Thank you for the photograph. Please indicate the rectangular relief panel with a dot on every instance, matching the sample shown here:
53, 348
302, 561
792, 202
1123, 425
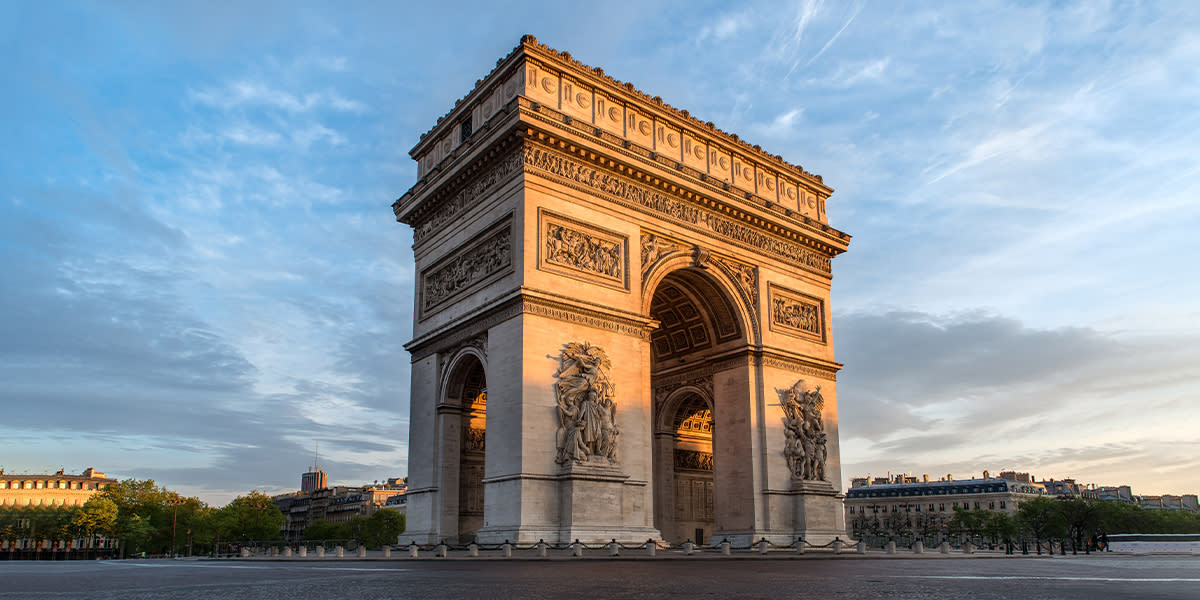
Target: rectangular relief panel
794, 313
467, 268
569, 247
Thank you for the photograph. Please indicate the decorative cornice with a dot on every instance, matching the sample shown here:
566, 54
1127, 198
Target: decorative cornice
675, 207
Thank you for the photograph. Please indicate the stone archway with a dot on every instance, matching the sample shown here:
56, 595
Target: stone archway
684, 493
699, 326
465, 409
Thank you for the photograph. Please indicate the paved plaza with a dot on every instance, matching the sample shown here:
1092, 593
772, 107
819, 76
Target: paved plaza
929, 578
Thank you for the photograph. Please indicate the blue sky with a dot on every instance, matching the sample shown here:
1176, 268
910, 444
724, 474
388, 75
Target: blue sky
200, 274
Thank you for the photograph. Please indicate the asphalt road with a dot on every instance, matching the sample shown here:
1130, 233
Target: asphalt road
1109, 576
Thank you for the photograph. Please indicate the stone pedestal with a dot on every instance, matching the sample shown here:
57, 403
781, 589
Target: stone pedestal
818, 516
592, 502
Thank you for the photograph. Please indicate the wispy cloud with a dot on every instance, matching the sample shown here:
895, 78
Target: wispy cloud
247, 93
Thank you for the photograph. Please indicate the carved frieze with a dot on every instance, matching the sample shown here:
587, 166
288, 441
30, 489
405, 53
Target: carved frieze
582, 251
804, 432
467, 267
465, 198
586, 406
474, 439
693, 460
626, 192
797, 314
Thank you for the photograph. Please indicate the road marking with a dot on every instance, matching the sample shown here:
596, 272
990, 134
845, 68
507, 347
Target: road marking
1058, 578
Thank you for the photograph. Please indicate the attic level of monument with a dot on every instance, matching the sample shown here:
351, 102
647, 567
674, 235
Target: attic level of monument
538, 92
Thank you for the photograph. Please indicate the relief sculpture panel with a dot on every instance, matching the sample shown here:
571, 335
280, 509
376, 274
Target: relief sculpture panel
797, 314
466, 268
581, 251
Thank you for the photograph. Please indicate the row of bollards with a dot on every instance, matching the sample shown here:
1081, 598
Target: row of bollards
541, 549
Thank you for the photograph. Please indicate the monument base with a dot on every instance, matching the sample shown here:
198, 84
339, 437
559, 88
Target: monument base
596, 502
818, 514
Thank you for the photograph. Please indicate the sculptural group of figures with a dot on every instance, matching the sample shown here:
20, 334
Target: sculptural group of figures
805, 432
575, 249
586, 411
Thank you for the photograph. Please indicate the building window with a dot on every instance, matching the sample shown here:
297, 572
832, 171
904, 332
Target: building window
941, 508
1001, 505
991, 506
976, 505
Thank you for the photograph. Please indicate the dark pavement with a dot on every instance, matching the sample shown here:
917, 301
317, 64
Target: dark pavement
1107, 576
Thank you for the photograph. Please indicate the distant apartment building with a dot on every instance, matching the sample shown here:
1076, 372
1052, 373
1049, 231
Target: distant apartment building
58, 490
337, 504
907, 505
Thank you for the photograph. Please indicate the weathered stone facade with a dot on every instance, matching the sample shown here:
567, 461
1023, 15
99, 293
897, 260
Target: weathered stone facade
636, 293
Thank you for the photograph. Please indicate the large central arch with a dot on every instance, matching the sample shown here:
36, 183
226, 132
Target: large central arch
696, 467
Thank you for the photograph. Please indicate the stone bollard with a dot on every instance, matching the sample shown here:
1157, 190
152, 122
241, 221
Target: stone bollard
440, 551
891, 547
726, 548
541, 548
799, 545
576, 548
507, 549
245, 553
320, 551
862, 547
968, 548
688, 548
945, 548
387, 551
339, 552
302, 551
412, 550
613, 548
287, 551
837, 545
762, 546
362, 551
651, 547
918, 547
473, 549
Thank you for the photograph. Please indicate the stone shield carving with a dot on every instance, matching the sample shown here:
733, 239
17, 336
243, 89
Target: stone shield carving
586, 410
804, 431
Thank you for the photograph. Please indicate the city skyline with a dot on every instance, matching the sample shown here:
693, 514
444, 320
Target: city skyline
203, 275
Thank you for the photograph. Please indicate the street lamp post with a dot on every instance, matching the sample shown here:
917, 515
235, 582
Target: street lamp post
175, 502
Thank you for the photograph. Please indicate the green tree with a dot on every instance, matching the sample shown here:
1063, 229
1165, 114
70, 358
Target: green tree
321, 530
1082, 519
1001, 528
97, 516
251, 517
1041, 519
386, 525
969, 523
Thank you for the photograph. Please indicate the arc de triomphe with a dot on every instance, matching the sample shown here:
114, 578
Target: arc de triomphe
622, 324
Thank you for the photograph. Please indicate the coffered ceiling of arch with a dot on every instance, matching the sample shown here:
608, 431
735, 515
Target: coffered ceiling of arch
693, 317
